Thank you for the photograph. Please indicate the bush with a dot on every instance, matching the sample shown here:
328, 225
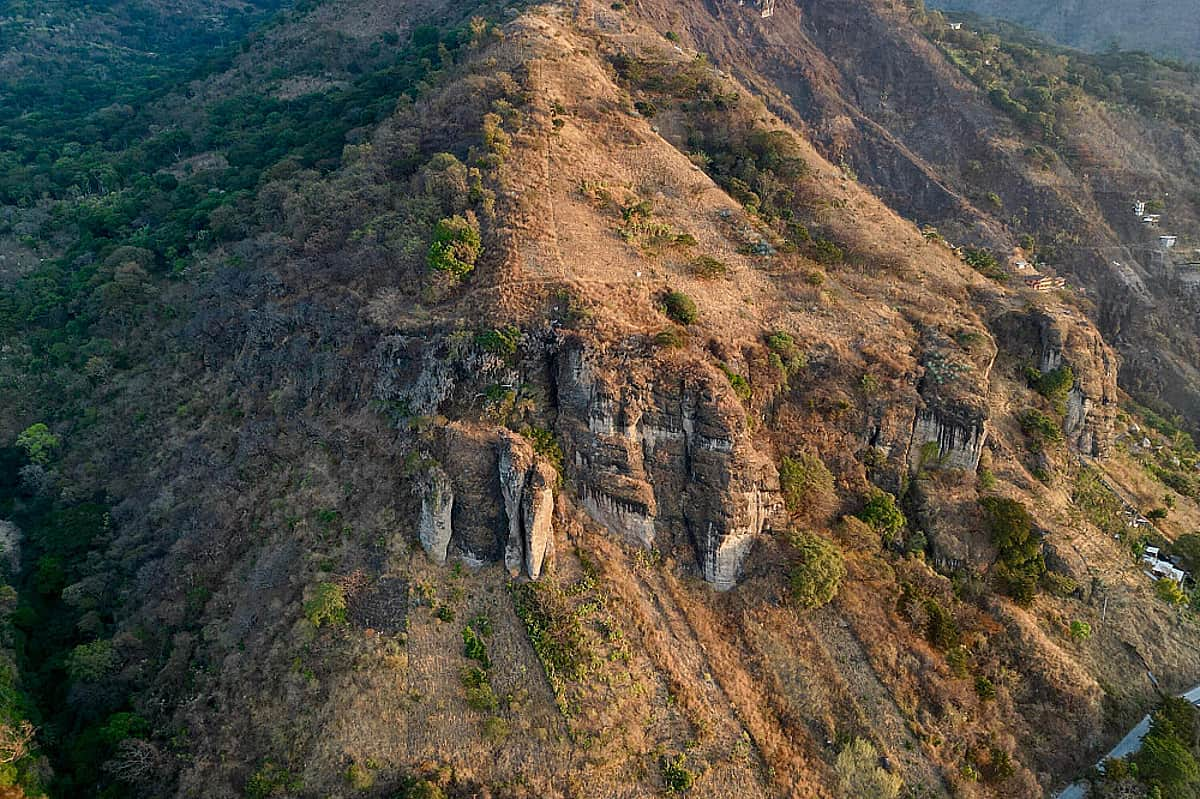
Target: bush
1080, 631
474, 647
271, 780
1169, 591
860, 775
708, 268
39, 443
1021, 564
807, 485
1055, 386
91, 662
741, 386
680, 308
785, 353
501, 341
1040, 427
670, 338
677, 777
883, 515
480, 695
816, 572
827, 252
328, 606
456, 245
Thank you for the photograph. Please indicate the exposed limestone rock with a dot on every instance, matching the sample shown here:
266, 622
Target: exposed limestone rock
959, 432
527, 485
437, 505
662, 457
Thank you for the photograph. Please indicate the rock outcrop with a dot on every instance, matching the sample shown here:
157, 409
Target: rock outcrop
959, 431
527, 485
1052, 341
662, 456
437, 506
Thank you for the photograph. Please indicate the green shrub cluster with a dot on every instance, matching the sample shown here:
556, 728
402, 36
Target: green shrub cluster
680, 308
807, 484
883, 515
816, 570
456, 245
327, 606
1020, 566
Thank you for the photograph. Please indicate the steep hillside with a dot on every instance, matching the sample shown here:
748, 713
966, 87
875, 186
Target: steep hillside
1163, 28
990, 143
457, 399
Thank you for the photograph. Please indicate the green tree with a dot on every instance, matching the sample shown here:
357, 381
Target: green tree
39, 443
91, 662
1020, 565
817, 570
1169, 591
882, 513
456, 245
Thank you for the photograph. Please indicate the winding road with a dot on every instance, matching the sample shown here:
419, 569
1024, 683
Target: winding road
1128, 745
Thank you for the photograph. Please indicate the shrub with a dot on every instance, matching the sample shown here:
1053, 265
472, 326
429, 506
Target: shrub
860, 775
328, 605
359, 777
983, 262
677, 777
271, 780
741, 386
680, 308
817, 570
807, 484
456, 245
670, 338
1169, 591
1054, 385
474, 647
784, 349
1040, 427
881, 512
480, 695
1080, 631
91, 662
1021, 564
501, 341
941, 629
39, 443
827, 252
708, 268
984, 688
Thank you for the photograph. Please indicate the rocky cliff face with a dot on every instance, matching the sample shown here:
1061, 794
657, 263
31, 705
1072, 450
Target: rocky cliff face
527, 485
959, 433
665, 458
1053, 340
437, 505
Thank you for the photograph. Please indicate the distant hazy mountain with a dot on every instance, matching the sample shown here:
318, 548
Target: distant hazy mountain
1166, 27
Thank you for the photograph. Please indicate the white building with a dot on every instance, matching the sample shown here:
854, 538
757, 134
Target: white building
1159, 567
1167, 242
1139, 208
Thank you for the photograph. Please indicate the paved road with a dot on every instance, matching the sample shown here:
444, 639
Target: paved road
1128, 745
